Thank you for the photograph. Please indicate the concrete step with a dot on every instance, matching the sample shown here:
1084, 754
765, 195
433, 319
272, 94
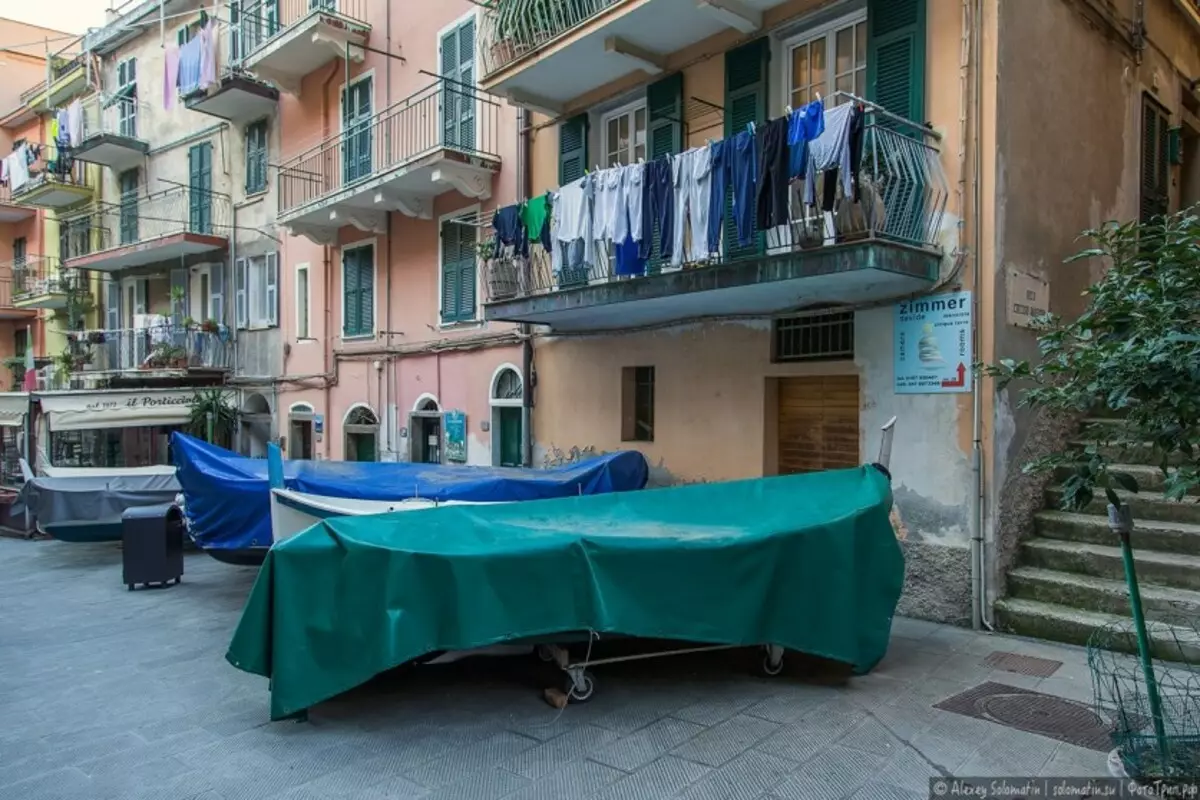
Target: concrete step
1171, 537
1145, 454
1146, 506
1063, 624
1101, 594
1101, 561
1149, 478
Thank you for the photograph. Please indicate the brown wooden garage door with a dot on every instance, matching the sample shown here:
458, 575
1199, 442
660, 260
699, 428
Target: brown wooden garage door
818, 423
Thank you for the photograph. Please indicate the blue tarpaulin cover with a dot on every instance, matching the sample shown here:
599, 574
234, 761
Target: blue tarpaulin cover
227, 496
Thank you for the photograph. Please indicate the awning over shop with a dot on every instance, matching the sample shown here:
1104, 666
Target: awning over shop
13, 408
74, 411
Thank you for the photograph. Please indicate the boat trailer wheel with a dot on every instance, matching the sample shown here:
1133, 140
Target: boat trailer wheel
772, 663
581, 685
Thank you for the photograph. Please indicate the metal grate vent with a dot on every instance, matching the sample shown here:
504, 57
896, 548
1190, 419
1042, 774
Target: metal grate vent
1022, 665
814, 337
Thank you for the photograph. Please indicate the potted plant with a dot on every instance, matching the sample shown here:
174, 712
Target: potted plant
96, 337
188, 323
81, 360
177, 357
210, 326
64, 362
16, 365
501, 272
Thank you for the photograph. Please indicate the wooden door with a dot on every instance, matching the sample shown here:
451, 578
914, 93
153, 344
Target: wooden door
818, 423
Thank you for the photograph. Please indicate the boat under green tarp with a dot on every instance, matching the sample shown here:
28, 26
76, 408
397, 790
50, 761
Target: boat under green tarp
809, 562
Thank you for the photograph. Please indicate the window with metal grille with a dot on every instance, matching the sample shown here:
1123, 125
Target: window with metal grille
1155, 189
814, 337
637, 404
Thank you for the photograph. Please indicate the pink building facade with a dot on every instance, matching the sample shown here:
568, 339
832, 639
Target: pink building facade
388, 174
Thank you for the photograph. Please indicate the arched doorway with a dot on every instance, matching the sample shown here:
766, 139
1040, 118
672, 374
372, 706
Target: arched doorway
300, 431
506, 399
425, 431
361, 430
255, 418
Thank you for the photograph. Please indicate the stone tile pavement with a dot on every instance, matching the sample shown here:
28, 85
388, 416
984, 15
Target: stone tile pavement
110, 694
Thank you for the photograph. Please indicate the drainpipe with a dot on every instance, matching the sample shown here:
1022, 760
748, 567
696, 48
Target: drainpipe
524, 192
389, 424
327, 362
979, 559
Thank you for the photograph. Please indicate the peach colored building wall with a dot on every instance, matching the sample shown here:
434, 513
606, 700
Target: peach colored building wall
407, 308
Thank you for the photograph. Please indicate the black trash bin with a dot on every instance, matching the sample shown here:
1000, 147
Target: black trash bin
152, 538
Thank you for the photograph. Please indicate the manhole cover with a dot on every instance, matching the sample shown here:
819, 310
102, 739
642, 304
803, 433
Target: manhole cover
1034, 712
1022, 665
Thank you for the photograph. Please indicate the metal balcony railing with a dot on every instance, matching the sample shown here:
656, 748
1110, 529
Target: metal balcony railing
36, 276
5, 195
903, 194
145, 218
512, 28
54, 166
60, 67
259, 23
159, 347
113, 115
444, 115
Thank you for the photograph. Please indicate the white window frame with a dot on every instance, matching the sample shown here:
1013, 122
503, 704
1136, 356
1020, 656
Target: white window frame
271, 294
469, 211
303, 303
828, 32
630, 110
373, 243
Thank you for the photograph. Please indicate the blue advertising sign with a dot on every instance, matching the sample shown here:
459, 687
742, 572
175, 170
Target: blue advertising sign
456, 436
933, 344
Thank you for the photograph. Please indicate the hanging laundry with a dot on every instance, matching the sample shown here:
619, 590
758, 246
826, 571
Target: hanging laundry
208, 55
54, 130
742, 168
693, 187
17, 164
629, 258
510, 231
575, 222
771, 196
719, 170
170, 75
190, 58
658, 198
535, 216
75, 122
831, 150
635, 181
805, 124
610, 213
556, 260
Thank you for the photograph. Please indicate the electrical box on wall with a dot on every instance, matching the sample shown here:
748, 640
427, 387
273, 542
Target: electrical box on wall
1028, 298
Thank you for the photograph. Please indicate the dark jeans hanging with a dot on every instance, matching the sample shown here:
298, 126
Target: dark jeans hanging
658, 208
771, 203
829, 190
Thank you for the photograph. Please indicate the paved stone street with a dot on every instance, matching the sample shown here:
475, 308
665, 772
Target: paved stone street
110, 694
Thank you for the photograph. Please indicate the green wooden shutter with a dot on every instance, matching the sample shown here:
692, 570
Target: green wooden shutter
746, 71
466, 275
664, 115
366, 291
896, 56
350, 305
572, 149
1154, 200
451, 247
458, 100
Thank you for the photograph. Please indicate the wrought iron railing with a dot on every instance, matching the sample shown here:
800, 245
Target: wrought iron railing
444, 115
115, 115
902, 197
259, 23
142, 219
157, 347
5, 195
36, 276
513, 28
60, 67
54, 165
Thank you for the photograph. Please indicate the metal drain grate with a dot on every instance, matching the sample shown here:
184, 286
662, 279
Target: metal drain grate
1022, 665
1034, 712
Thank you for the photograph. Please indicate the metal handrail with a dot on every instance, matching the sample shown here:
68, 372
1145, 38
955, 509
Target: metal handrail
903, 195
57, 71
166, 346
136, 220
35, 275
513, 28
443, 115
58, 166
106, 114
262, 21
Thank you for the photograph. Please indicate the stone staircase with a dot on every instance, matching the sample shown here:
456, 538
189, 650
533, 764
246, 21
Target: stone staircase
1070, 580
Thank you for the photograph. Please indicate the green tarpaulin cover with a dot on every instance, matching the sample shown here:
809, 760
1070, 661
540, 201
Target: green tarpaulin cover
809, 562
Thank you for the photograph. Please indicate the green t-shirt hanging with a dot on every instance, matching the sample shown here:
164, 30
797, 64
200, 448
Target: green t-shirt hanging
534, 214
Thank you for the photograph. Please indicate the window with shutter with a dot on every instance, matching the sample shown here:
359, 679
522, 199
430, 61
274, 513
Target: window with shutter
1155, 199
256, 157
358, 291
271, 312
664, 108
457, 49
200, 188
745, 102
241, 306
458, 272
896, 56
357, 130
129, 209
572, 149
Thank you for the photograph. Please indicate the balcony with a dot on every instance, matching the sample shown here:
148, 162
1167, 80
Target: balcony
165, 226
440, 139
157, 349
41, 282
56, 182
9, 310
283, 40
885, 245
10, 211
238, 95
542, 54
110, 132
67, 79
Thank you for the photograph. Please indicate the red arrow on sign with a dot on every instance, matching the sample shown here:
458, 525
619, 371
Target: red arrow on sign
960, 381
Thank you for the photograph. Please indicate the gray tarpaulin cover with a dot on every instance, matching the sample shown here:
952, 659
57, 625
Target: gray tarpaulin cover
57, 501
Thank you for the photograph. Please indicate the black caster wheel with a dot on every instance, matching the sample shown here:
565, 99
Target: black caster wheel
583, 692
769, 668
